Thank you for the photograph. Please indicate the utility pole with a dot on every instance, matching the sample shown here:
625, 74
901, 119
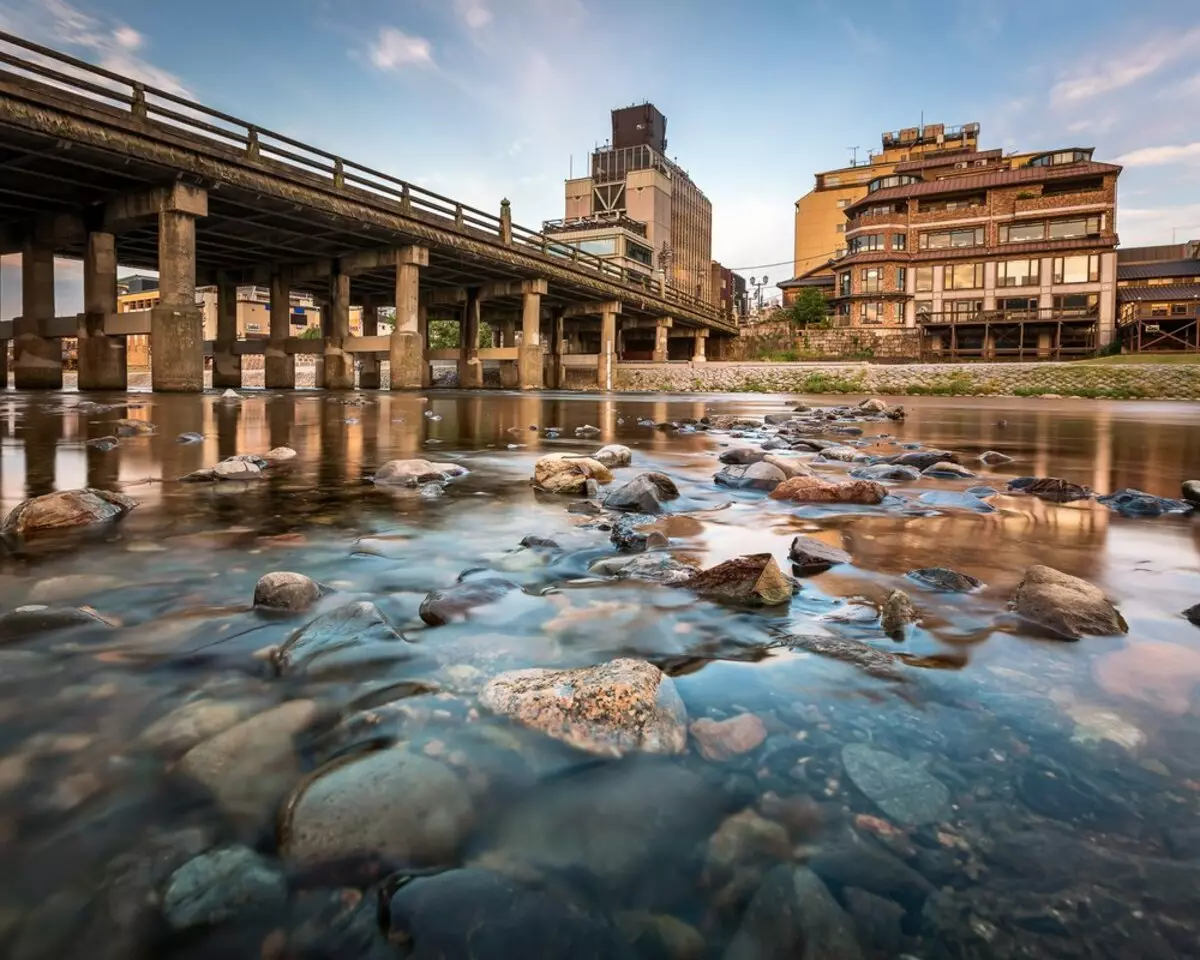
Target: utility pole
853, 156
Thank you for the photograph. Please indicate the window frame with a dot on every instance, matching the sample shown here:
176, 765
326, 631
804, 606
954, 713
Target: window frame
1031, 279
979, 237
917, 287
949, 275
1092, 268
870, 280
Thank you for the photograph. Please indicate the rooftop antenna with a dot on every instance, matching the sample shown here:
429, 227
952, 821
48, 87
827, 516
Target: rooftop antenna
921, 131
853, 156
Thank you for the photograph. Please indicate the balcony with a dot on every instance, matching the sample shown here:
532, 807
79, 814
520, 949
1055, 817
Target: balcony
1039, 315
1079, 198
603, 218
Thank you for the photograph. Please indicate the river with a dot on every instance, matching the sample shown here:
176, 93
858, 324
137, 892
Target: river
994, 792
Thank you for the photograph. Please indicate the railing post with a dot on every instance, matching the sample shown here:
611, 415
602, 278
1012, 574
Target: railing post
252, 145
506, 234
406, 198
459, 220
138, 102
339, 174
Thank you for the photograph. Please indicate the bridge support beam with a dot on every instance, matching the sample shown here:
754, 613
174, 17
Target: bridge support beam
37, 360
470, 367
557, 339
607, 361
102, 363
662, 331
227, 365
406, 351
369, 373
176, 323
279, 366
339, 365
699, 339
530, 370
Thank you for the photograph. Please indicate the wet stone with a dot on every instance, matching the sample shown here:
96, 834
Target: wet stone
645, 493
654, 567
222, 885
614, 455
65, 509
993, 457
346, 637
877, 920
945, 580
742, 456
35, 620
628, 539
897, 473
757, 476
1135, 503
283, 590
871, 661
1066, 605
903, 790
816, 490
923, 459
945, 470
415, 472
954, 500
793, 916
570, 475
724, 739
1054, 489
459, 602
810, 556
750, 581
104, 444
1191, 491
897, 614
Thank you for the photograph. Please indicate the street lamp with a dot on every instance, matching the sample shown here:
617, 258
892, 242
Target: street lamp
757, 295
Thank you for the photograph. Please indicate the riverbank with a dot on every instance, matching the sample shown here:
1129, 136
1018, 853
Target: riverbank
1130, 381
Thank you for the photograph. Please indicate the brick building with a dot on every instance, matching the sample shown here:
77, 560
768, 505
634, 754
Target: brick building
1158, 297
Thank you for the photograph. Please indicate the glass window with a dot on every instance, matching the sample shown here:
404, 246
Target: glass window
944, 239
1084, 268
1018, 306
635, 251
879, 210
843, 310
872, 280
1077, 303
924, 311
1156, 309
872, 312
1022, 232
962, 310
868, 241
1081, 227
832, 181
962, 276
1018, 273
600, 246
844, 284
843, 203
957, 203
899, 241
924, 279
901, 278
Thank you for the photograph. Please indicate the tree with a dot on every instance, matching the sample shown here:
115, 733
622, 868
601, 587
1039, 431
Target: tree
310, 333
811, 309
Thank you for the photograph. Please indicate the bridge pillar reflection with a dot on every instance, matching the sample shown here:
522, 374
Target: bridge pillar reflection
279, 366
339, 365
406, 350
37, 360
530, 371
176, 323
557, 344
227, 365
470, 367
101, 358
606, 361
369, 374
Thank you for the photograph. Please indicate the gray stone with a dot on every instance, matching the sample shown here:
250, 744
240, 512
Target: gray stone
614, 455
793, 916
842, 454
459, 602
904, 791
1066, 605
851, 861
810, 556
283, 590
742, 456
944, 470
35, 620
992, 457
655, 567
221, 885
645, 493
1136, 503
922, 459
1191, 491
886, 471
755, 476
351, 635
945, 580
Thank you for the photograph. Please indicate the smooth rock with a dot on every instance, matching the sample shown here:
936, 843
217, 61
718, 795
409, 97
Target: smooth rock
870, 660
897, 614
347, 636
223, 884
251, 765
792, 466
992, 457
610, 709
1136, 503
660, 935
816, 490
793, 916
724, 739
742, 456
279, 455
886, 471
756, 476
231, 394
34, 620
645, 493
283, 590
754, 580
1066, 605
810, 556
945, 580
72, 586
614, 455
654, 567
852, 861
747, 840
190, 438
191, 723
1050, 488
1191, 491
628, 539
877, 920
413, 473
944, 470
841, 454
233, 469
133, 428
457, 603
405, 807
873, 405
65, 509
903, 790
104, 444
920, 459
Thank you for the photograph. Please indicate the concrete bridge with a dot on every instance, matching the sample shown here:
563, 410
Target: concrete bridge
102, 168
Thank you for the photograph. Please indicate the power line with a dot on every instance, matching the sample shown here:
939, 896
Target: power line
762, 266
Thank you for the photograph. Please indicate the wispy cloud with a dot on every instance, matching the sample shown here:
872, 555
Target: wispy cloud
1148, 225
394, 49
1092, 125
1158, 156
473, 13
1121, 70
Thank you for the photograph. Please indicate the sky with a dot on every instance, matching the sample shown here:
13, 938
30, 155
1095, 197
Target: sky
489, 99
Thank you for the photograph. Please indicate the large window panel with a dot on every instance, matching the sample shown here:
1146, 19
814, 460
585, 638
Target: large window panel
948, 239
1018, 273
871, 280
1022, 232
924, 279
1084, 268
962, 276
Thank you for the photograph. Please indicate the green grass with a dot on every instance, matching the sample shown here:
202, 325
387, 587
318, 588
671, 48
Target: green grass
1141, 358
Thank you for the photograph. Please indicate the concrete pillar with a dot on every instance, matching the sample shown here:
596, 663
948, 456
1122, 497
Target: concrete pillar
406, 353
530, 371
227, 365
101, 358
1044, 346
369, 371
510, 370
423, 333
608, 345
989, 345
470, 367
279, 366
177, 323
557, 342
37, 360
339, 365
662, 330
698, 342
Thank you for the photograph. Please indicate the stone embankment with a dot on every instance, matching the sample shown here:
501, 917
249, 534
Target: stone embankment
1130, 381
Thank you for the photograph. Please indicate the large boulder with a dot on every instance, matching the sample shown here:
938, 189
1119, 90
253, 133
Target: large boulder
284, 590
1066, 605
457, 603
756, 476
609, 709
352, 635
817, 490
810, 556
645, 493
614, 455
413, 473
223, 884
403, 806
65, 509
754, 581
1054, 489
792, 466
571, 475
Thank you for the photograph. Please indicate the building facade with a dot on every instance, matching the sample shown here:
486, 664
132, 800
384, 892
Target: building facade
632, 179
1158, 297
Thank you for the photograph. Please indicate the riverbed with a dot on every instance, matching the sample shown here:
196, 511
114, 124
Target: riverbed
981, 789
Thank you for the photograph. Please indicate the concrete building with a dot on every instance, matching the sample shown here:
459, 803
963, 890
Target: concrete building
987, 255
1158, 297
728, 291
631, 179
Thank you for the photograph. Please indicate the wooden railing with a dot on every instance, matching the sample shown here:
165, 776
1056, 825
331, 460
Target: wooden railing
258, 143
1040, 315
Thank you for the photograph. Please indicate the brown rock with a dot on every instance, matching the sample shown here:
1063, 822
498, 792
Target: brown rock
570, 475
748, 839
660, 935
66, 508
754, 581
1054, 489
791, 466
609, 709
1066, 605
723, 739
897, 613
415, 471
283, 590
810, 556
816, 490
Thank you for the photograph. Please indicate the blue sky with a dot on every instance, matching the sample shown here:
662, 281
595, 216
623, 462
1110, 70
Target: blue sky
484, 99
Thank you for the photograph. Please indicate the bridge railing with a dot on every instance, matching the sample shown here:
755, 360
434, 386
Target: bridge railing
258, 143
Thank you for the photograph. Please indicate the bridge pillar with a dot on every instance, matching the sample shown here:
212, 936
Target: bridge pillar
176, 323
227, 365
662, 331
339, 365
101, 358
698, 341
607, 361
470, 367
557, 338
37, 360
530, 371
279, 366
406, 351
369, 376
423, 334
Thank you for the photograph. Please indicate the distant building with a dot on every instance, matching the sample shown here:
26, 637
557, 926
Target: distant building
728, 291
631, 181
1158, 297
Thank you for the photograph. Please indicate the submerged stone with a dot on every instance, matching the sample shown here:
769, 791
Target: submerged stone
886, 471
338, 639
793, 916
1066, 605
946, 580
1136, 503
756, 476
1054, 489
903, 790
65, 509
458, 602
35, 620
725, 739
810, 556
654, 567
992, 457
221, 885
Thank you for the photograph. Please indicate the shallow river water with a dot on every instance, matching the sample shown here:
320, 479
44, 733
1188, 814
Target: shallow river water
979, 789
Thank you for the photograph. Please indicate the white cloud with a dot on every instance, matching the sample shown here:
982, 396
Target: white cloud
1158, 156
1143, 226
394, 49
1128, 67
474, 13
127, 38
1092, 125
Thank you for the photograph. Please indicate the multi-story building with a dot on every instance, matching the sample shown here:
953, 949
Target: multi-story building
988, 255
728, 291
820, 220
1158, 297
631, 179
